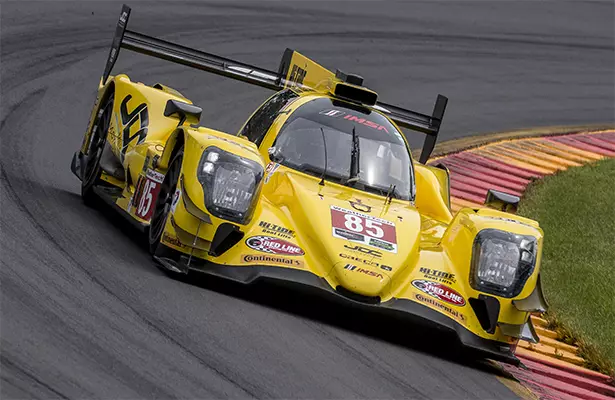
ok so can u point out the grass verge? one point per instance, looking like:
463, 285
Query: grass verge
576, 209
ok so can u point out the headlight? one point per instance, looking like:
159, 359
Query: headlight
230, 183
502, 262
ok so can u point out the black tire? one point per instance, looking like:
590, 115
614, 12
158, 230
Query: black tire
163, 202
92, 169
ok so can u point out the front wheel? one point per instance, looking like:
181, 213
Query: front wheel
164, 201
98, 138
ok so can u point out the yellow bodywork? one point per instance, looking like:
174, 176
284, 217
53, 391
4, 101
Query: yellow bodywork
431, 243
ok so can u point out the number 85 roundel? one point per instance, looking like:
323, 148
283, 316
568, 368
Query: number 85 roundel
146, 194
363, 228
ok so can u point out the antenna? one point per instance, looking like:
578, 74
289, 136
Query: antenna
324, 172
354, 160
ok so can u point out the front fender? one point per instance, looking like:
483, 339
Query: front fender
102, 93
458, 243
442, 279
458, 240
192, 215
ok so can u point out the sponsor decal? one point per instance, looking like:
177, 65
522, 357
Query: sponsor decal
382, 244
139, 114
341, 233
365, 261
353, 118
363, 228
443, 307
297, 75
332, 113
364, 271
368, 123
439, 276
176, 196
274, 245
145, 196
439, 291
357, 205
168, 239
364, 250
270, 170
123, 19
277, 230
266, 259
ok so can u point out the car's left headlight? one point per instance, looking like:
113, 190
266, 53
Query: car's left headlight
502, 261
230, 183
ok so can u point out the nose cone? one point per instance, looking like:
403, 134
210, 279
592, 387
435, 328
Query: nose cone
354, 239
363, 280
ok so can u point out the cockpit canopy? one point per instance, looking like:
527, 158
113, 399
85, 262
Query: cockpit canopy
354, 139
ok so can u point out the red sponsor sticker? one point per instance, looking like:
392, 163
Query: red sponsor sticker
274, 245
366, 122
363, 228
439, 291
353, 118
147, 194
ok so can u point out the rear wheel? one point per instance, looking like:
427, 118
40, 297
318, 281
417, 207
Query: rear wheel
98, 138
164, 201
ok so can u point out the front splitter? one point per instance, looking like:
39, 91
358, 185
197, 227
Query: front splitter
402, 309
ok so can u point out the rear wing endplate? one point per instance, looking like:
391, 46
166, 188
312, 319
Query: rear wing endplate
286, 76
427, 124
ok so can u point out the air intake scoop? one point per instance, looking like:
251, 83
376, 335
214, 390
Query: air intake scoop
351, 88
354, 93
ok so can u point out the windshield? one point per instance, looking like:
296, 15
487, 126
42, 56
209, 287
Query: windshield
364, 150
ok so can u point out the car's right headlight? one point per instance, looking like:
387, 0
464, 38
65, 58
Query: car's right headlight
502, 261
230, 183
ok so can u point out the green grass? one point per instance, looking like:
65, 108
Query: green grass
576, 210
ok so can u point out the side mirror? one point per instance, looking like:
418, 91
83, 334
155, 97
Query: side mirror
275, 154
184, 111
502, 201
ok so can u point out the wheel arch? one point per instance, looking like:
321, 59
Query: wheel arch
176, 141
104, 92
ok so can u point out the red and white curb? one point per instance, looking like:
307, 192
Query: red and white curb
510, 165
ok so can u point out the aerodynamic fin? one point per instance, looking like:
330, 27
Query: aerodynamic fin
295, 70
298, 70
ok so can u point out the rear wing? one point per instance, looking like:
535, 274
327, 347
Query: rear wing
295, 71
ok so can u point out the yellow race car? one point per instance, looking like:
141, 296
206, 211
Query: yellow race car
318, 188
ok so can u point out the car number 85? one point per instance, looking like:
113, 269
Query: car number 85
355, 223
146, 199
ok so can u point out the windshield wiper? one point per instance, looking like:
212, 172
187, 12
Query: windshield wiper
391, 193
354, 158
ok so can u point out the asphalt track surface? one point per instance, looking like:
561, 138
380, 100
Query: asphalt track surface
85, 314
